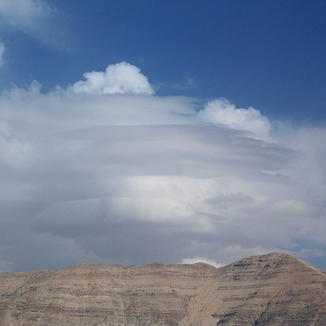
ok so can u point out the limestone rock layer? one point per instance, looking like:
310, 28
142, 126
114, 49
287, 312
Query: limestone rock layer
273, 289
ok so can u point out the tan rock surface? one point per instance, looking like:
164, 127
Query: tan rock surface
273, 289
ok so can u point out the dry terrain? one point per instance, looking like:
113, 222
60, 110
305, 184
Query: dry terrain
273, 289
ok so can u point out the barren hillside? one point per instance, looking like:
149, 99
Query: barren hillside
272, 289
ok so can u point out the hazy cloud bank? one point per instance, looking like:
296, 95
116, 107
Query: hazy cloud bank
105, 171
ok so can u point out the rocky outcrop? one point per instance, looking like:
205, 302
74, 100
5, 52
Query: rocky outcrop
274, 289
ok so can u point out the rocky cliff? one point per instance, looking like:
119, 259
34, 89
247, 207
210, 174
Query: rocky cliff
273, 289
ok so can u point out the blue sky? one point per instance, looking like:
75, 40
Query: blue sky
172, 131
266, 54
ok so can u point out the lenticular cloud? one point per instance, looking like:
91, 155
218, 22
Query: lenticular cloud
119, 78
101, 173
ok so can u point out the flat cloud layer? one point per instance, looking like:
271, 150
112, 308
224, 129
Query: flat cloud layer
94, 174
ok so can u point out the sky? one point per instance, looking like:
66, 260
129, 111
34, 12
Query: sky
134, 132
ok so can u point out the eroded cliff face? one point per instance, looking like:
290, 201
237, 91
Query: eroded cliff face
99, 295
273, 289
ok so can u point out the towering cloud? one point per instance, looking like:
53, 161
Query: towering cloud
116, 79
221, 111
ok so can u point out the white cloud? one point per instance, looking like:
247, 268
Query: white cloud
201, 260
34, 18
14, 149
117, 79
22, 13
2, 50
221, 111
134, 178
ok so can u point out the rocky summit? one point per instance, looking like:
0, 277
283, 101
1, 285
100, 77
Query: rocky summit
273, 289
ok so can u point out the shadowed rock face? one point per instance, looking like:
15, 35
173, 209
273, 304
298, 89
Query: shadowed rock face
273, 289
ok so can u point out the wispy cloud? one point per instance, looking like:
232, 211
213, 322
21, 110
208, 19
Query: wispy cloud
2, 50
134, 178
34, 18
23, 14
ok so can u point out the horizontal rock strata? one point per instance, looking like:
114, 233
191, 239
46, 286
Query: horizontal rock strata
273, 289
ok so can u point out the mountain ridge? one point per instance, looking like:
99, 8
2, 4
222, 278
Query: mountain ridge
270, 289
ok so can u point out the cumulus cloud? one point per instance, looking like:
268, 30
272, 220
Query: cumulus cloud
221, 111
119, 78
135, 178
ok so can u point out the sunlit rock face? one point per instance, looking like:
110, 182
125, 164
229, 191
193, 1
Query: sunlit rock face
272, 289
